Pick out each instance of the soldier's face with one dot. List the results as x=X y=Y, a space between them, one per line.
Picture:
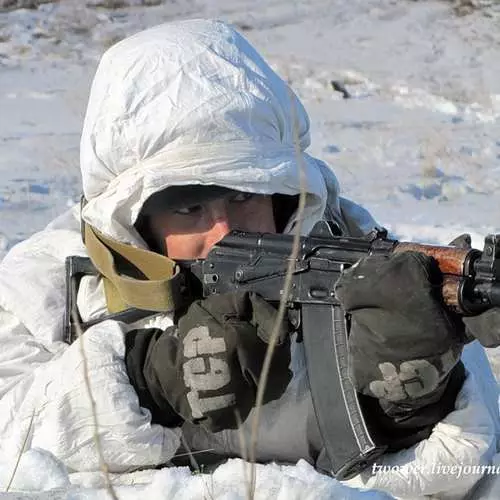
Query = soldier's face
x=190 y=232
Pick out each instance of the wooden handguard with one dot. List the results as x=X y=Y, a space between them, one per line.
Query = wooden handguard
x=453 y=262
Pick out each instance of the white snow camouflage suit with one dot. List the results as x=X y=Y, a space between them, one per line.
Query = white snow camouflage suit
x=210 y=111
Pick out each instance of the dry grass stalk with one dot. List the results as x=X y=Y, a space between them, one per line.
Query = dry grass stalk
x=21 y=451
x=283 y=302
x=97 y=440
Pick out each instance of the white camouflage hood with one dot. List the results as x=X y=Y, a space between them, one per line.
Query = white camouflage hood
x=191 y=102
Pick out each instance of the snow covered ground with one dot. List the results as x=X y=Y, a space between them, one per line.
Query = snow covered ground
x=418 y=143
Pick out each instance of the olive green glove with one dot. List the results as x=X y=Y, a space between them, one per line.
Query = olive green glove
x=403 y=342
x=206 y=370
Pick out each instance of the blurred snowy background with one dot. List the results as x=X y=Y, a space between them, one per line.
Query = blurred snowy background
x=418 y=142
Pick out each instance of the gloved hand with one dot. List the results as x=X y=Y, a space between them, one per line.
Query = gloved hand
x=484 y=327
x=404 y=345
x=207 y=369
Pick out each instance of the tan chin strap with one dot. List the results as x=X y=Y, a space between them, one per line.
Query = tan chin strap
x=160 y=290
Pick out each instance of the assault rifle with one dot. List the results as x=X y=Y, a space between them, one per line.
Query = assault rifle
x=258 y=263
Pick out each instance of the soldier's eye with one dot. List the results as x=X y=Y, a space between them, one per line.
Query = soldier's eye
x=241 y=197
x=188 y=210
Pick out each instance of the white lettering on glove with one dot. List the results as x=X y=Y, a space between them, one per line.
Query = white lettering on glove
x=415 y=378
x=205 y=373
